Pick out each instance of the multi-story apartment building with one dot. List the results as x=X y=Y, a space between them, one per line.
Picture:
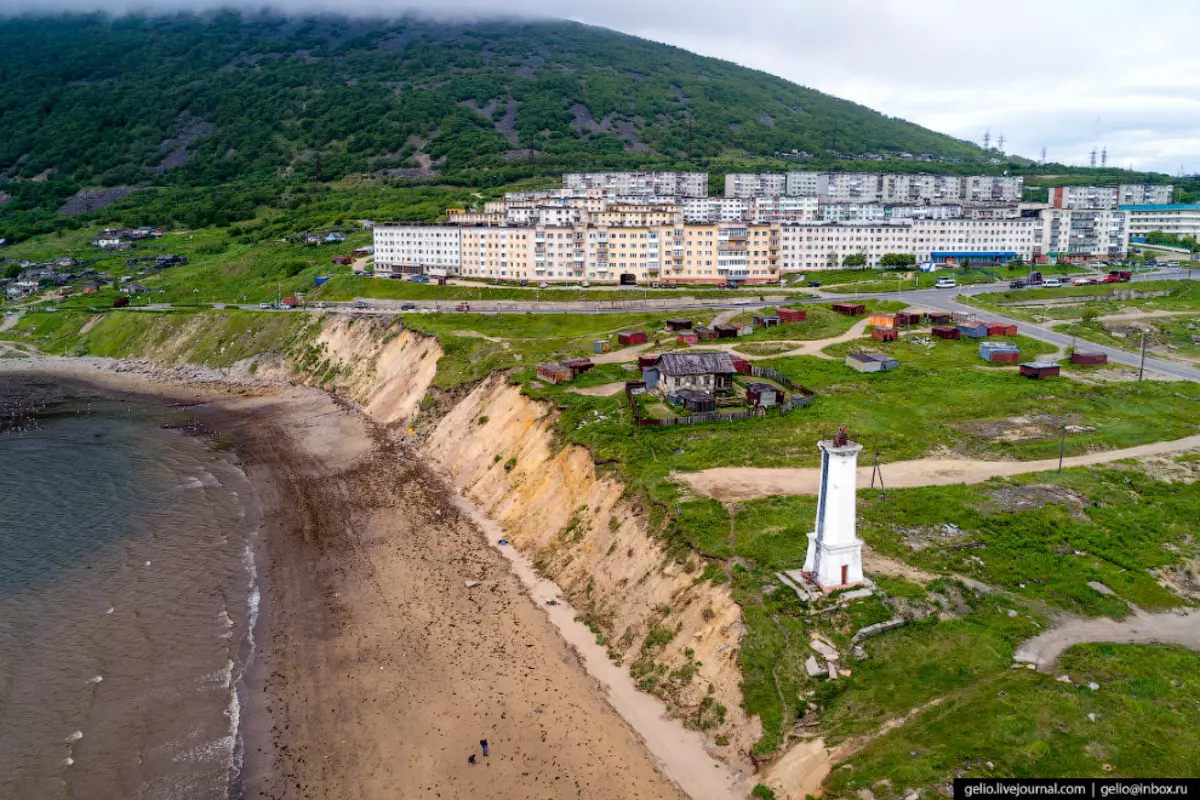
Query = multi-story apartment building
x=497 y=252
x=641 y=184
x=1179 y=219
x=854 y=187
x=715 y=209
x=1146 y=194
x=920 y=188
x=783 y=209
x=807 y=184
x=1110 y=197
x=822 y=245
x=415 y=248
x=853 y=212
x=749 y=184
x=1083 y=234
x=985 y=189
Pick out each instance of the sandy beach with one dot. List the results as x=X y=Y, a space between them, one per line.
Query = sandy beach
x=378 y=670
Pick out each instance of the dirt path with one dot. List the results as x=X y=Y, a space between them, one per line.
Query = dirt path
x=478 y=335
x=603 y=390
x=724 y=317
x=746 y=483
x=1181 y=628
x=9 y=321
x=811 y=347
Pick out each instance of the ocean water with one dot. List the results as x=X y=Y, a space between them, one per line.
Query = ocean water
x=128 y=597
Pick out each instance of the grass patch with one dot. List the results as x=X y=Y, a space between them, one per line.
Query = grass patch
x=1146 y=713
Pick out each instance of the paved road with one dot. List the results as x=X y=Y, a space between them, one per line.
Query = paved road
x=933 y=299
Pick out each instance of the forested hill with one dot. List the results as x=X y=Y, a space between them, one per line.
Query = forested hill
x=205 y=100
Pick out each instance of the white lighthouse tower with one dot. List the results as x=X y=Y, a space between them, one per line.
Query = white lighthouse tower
x=834 y=557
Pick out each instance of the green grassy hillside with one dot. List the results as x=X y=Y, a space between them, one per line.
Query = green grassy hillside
x=183 y=99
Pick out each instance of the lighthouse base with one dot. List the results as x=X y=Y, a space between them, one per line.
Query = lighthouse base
x=833 y=567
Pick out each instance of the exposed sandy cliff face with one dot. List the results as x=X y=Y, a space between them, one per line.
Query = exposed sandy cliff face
x=678 y=634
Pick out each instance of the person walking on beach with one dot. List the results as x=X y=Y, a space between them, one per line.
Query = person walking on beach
x=483 y=744
x=471 y=759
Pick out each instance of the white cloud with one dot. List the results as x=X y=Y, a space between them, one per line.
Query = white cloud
x=1039 y=71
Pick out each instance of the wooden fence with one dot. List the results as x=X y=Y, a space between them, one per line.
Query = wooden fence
x=800 y=397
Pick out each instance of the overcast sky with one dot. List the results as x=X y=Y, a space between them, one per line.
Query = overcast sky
x=1066 y=75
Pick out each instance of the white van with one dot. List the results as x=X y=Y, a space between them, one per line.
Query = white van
x=1051 y=283
x=945 y=283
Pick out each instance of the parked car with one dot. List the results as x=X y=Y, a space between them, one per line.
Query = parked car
x=1019 y=283
x=266 y=306
x=1083 y=280
x=408 y=306
x=463 y=307
x=1035 y=279
x=814 y=284
x=945 y=283
x=418 y=279
x=321 y=306
x=543 y=285
x=360 y=303
x=1051 y=283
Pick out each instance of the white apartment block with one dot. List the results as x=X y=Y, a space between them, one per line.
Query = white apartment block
x=824 y=245
x=783 y=209
x=749 y=184
x=1084 y=234
x=1110 y=197
x=1146 y=194
x=984 y=189
x=416 y=249
x=854 y=187
x=853 y=212
x=807 y=184
x=715 y=209
x=1179 y=219
x=641 y=184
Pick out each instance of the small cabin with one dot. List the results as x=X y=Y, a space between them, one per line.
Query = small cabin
x=849 y=309
x=763 y=395
x=946 y=332
x=1089 y=359
x=631 y=337
x=791 y=315
x=578 y=366
x=766 y=320
x=704 y=333
x=938 y=318
x=555 y=373
x=602 y=346
x=687 y=338
x=906 y=318
x=679 y=324
x=694 y=400
x=1039 y=370
x=884 y=334
x=725 y=331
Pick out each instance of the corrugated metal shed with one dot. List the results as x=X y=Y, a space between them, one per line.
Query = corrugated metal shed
x=999 y=352
x=601 y=346
x=871 y=362
x=975 y=330
x=725 y=331
x=555 y=373
x=946 y=332
x=792 y=315
x=1089 y=359
x=631 y=337
x=578 y=365
x=766 y=320
x=1000 y=329
x=1040 y=369
x=882 y=335
x=887 y=321
x=849 y=309
x=763 y=395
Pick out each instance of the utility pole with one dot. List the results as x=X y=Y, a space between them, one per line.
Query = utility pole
x=1062 y=446
x=1142 y=368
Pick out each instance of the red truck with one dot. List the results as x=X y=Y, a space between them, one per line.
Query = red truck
x=463 y=307
x=1118 y=276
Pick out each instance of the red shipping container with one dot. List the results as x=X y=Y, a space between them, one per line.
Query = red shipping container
x=791 y=315
x=1001 y=357
x=849 y=309
x=947 y=332
x=884 y=335
x=1001 y=329
x=687 y=338
x=631 y=337
x=1089 y=359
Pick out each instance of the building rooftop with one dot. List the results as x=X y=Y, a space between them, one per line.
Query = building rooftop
x=1162 y=207
x=696 y=363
